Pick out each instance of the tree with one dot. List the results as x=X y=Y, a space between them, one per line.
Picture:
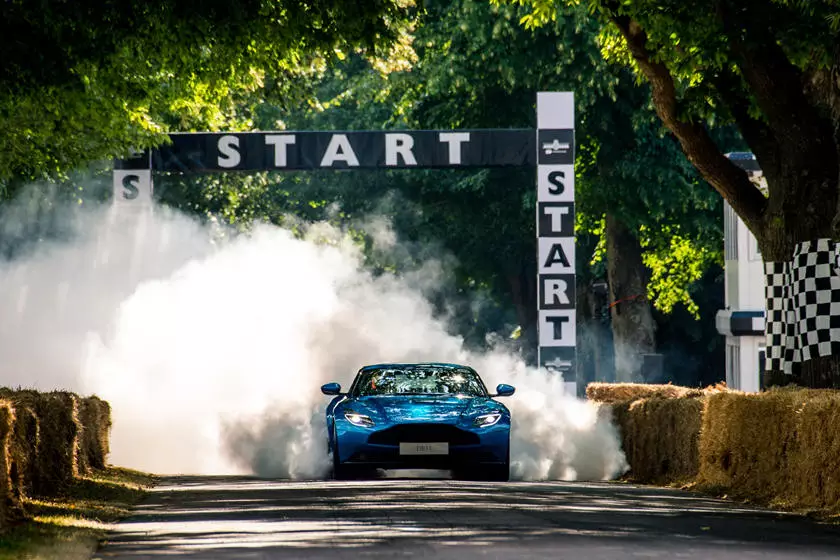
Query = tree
x=773 y=69
x=479 y=70
x=473 y=70
x=654 y=203
x=88 y=80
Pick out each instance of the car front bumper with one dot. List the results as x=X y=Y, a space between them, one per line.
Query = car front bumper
x=381 y=449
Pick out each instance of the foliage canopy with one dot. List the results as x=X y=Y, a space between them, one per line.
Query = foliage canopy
x=86 y=80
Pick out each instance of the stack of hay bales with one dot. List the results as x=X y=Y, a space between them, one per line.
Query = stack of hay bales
x=780 y=446
x=659 y=426
x=659 y=437
x=47 y=440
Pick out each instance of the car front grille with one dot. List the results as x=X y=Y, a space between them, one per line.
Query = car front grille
x=422 y=433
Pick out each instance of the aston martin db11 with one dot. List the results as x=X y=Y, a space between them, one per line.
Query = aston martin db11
x=419 y=416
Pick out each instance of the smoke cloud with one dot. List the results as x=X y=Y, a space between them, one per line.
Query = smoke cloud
x=212 y=348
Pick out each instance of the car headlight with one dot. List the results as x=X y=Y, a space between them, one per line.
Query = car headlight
x=487 y=419
x=359 y=419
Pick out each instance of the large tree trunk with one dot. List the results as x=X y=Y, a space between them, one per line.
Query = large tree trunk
x=803 y=301
x=634 y=330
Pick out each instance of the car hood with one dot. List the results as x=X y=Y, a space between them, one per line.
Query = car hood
x=397 y=409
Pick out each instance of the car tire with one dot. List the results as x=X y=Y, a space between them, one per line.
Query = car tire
x=342 y=471
x=483 y=473
x=499 y=472
x=502 y=472
x=339 y=471
x=349 y=472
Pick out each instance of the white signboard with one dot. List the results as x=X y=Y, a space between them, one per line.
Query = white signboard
x=556 y=234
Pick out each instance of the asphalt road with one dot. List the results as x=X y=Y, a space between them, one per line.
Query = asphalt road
x=225 y=518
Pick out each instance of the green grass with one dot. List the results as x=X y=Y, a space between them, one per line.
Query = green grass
x=69 y=527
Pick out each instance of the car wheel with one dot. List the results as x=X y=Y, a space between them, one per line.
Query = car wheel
x=342 y=471
x=484 y=473
x=349 y=472
x=338 y=470
x=499 y=472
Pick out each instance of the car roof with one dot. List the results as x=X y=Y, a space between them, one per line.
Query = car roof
x=414 y=364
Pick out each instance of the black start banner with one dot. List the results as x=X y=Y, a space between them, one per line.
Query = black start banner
x=309 y=150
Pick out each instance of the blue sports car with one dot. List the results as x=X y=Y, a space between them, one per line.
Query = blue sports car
x=434 y=416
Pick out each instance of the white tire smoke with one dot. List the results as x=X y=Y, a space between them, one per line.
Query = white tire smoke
x=212 y=355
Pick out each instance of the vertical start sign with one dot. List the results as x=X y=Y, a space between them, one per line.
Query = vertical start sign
x=556 y=235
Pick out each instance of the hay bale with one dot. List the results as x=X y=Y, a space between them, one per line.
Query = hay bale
x=58 y=434
x=95 y=421
x=24 y=444
x=10 y=504
x=780 y=446
x=745 y=442
x=814 y=471
x=659 y=437
x=621 y=392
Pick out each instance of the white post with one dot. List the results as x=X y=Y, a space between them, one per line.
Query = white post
x=556 y=235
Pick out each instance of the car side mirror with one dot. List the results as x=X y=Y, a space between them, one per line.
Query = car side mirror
x=331 y=389
x=503 y=390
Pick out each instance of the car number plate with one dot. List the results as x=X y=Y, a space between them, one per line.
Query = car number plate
x=424 y=448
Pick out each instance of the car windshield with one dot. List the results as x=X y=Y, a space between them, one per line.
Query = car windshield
x=419 y=380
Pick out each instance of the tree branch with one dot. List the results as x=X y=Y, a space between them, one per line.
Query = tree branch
x=727 y=178
x=778 y=85
x=757 y=134
x=822 y=83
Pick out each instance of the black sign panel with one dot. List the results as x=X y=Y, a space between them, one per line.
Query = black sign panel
x=137 y=160
x=557 y=147
x=557 y=291
x=395 y=149
x=560 y=359
x=556 y=219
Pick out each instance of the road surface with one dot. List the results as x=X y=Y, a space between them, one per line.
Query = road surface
x=226 y=518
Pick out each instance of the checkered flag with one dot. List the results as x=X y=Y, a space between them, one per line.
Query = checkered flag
x=803 y=305
x=776 y=294
x=816 y=298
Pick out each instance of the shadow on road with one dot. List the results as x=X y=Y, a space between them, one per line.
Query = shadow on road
x=237 y=517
